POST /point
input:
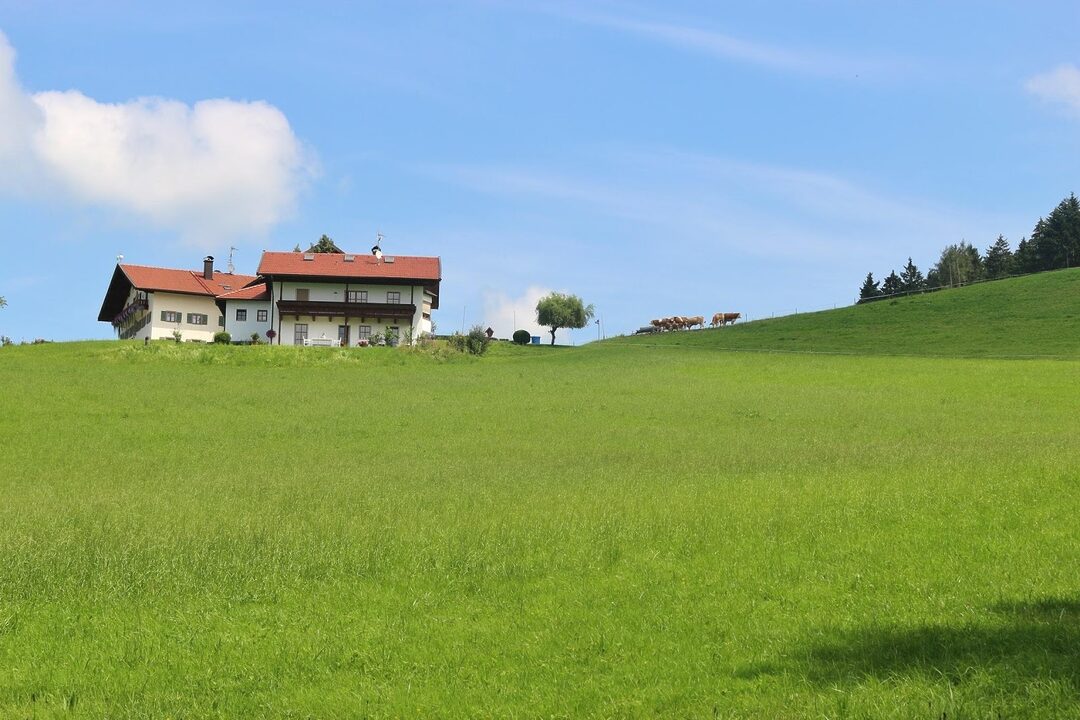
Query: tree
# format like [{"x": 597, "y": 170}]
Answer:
[
  {"x": 3, "y": 302},
  {"x": 559, "y": 310},
  {"x": 1056, "y": 240},
  {"x": 892, "y": 284},
  {"x": 869, "y": 290},
  {"x": 1024, "y": 260},
  {"x": 325, "y": 245},
  {"x": 912, "y": 280},
  {"x": 959, "y": 264},
  {"x": 999, "y": 258}
]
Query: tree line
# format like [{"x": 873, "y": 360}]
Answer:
[{"x": 1054, "y": 244}]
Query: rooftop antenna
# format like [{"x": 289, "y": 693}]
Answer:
[
  {"x": 119, "y": 259},
  {"x": 377, "y": 250},
  {"x": 232, "y": 268}
]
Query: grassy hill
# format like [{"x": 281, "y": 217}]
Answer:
[
  {"x": 205, "y": 531},
  {"x": 1037, "y": 315}
]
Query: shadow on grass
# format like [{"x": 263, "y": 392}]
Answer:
[{"x": 1017, "y": 644}]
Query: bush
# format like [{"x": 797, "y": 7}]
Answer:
[
  {"x": 475, "y": 343},
  {"x": 222, "y": 338},
  {"x": 255, "y": 339},
  {"x": 522, "y": 337},
  {"x": 177, "y": 335}
]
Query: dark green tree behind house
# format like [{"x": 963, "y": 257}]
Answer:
[{"x": 325, "y": 245}]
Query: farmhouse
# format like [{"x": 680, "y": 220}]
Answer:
[{"x": 296, "y": 298}]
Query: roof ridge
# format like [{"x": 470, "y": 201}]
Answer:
[{"x": 197, "y": 272}]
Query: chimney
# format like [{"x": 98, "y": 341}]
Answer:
[{"x": 208, "y": 267}]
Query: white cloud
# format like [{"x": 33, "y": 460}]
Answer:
[
  {"x": 505, "y": 314},
  {"x": 215, "y": 170},
  {"x": 1060, "y": 86}
]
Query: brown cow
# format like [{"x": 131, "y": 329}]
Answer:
[
  {"x": 731, "y": 318},
  {"x": 718, "y": 319},
  {"x": 695, "y": 321}
]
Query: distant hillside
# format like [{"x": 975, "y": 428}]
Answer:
[{"x": 1037, "y": 315}]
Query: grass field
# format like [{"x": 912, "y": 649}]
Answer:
[
  {"x": 1033, "y": 316},
  {"x": 614, "y": 530}
]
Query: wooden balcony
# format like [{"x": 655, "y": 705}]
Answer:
[{"x": 363, "y": 311}]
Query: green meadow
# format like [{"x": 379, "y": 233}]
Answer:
[
  {"x": 1032, "y": 316},
  {"x": 652, "y": 526}
]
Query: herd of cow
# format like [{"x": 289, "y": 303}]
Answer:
[{"x": 680, "y": 322}]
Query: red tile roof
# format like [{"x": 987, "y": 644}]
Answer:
[
  {"x": 403, "y": 267},
  {"x": 254, "y": 292},
  {"x": 184, "y": 281}
]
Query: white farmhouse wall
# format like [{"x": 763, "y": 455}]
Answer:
[
  {"x": 336, "y": 292},
  {"x": 184, "y": 304},
  {"x": 241, "y": 330},
  {"x": 322, "y": 327}
]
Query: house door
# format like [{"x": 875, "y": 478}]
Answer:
[{"x": 343, "y": 335}]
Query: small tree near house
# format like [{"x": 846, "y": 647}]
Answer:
[{"x": 562, "y": 310}]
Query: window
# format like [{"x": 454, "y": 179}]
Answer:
[
  {"x": 301, "y": 294},
  {"x": 241, "y": 316},
  {"x": 171, "y": 316},
  {"x": 197, "y": 319},
  {"x": 393, "y": 297},
  {"x": 365, "y": 332},
  {"x": 260, "y": 315},
  {"x": 358, "y": 296},
  {"x": 299, "y": 333},
  {"x": 221, "y": 320}
]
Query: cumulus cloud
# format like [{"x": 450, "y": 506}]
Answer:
[
  {"x": 213, "y": 170},
  {"x": 1060, "y": 86},
  {"x": 505, "y": 314}
]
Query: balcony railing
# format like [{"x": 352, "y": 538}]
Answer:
[
  {"x": 316, "y": 308},
  {"x": 132, "y": 330}
]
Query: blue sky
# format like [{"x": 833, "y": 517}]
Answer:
[{"x": 657, "y": 159}]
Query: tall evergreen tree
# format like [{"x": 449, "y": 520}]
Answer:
[
  {"x": 892, "y": 285},
  {"x": 869, "y": 290},
  {"x": 999, "y": 258},
  {"x": 1056, "y": 239},
  {"x": 911, "y": 279},
  {"x": 1024, "y": 259}
]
